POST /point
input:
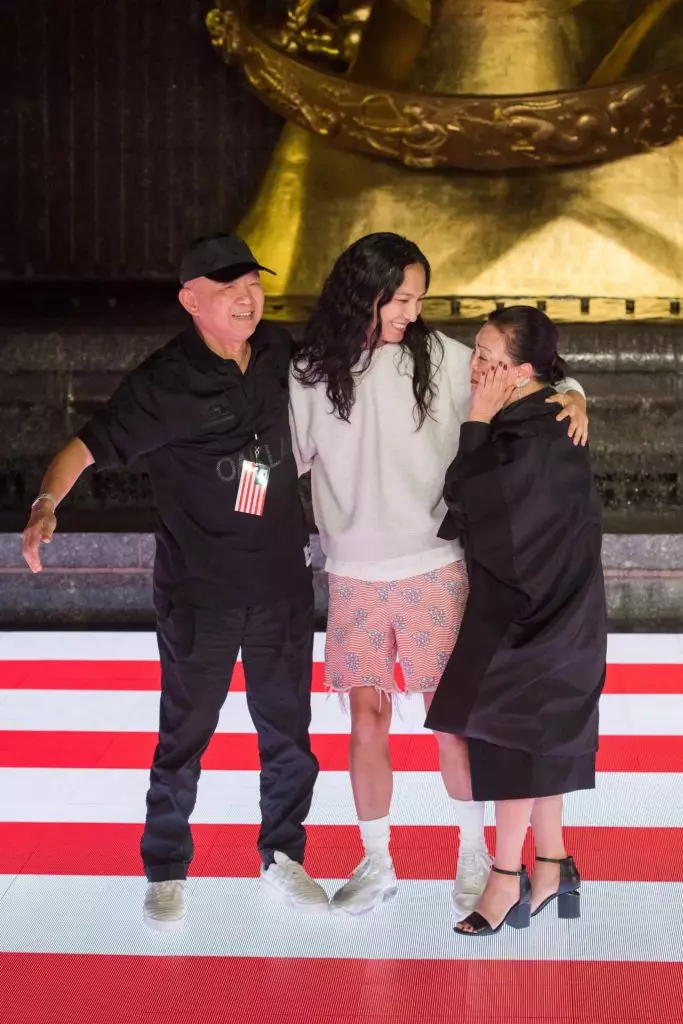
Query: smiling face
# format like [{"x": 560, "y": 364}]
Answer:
[
  {"x": 229, "y": 311},
  {"x": 405, "y": 306}
]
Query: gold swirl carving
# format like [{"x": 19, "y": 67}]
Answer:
[
  {"x": 308, "y": 33},
  {"x": 482, "y": 133},
  {"x": 223, "y": 26}
]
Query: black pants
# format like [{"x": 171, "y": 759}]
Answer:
[{"x": 198, "y": 651}]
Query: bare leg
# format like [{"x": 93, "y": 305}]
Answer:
[
  {"x": 546, "y": 824},
  {"x": 453, "y": 761},
  {"x": 474, "y": 862},
  {"x": 502, "y": 891},
  {"x": 369, "y": 763}
]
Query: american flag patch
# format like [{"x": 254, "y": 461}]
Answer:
[{"x": 251, "y": 493}]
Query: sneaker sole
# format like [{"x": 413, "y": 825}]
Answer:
[
  {"x": 314, "y": 909},
  {"x": 386, "y": 897},
  {"x": 157, "y": 925}
]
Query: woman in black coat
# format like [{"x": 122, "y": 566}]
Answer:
[{"x": 524, "y": 680}]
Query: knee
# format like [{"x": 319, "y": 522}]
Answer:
[
  {"x": 369, "y": 726},
  {"x": 451, "y": 746}
]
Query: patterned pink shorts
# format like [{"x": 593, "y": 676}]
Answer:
[{"x": 369, "y": 624}]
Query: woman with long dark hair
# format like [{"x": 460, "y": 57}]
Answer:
[
  {"x": 524, "y": 680},
  {"x": 377, "y": 400}
]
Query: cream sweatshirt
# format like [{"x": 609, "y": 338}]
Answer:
[{"x": 377, "y": 481}]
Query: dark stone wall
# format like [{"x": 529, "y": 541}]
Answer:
[
  {"x": 55, "y": 372},
  {"x": 121, "y": 135}
]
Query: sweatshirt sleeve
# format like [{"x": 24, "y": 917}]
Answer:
[
  {"x": 569, "y": 384},
  {"x": 300, "y": 421}
]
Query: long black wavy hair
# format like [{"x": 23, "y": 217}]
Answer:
[{"x": 335, "y": 347}]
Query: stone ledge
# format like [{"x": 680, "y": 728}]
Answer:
[
  {"x": 625, "y": 552},
  {"x": 135, "y": 550},
  {"x": 100, "y": 579}
]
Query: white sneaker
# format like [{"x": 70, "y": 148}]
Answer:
[
  {"x": 471, "y": 877},
  {"x": 165, "y": 905},
  {"x": 373, "y": 882},
  {"x": 287, "y": 880}
]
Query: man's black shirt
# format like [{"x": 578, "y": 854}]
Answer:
[{"x": 196, "y": 417}]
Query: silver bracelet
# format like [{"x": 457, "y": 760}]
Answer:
[{"x": 44, "y": 497}]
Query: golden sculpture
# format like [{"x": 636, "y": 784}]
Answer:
[{"x": 531, "y": 147}]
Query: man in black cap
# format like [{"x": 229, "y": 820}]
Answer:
[{"x": 233, "y": 567}]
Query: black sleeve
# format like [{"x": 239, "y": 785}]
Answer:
[
  {"x": 138, "y": 418},
  {"x": 473, "y": 435},
  {"x": 522, "y": 505}
]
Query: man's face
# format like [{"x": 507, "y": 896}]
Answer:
[{"x": 228, "y": 312}]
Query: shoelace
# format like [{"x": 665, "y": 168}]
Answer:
[
  {"x": 296, "y": 871},
  {"x": 166, "y": 891},
  {"x": 470, "y": 862},
  {"x": 366, "y": 866}
]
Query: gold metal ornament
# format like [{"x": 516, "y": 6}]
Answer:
[{"x": 529, "y": 146}]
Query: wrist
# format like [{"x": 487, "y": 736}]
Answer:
[
  {"x": 44, "y": 502},
  {"x": 578, "y": 397},
  {"x": 476, "y": 417}
]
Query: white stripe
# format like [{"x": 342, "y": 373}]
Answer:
[
  {"x": 621, "y": 799},
  {"x": 622, "y": 648},
  {"x": 94, "y": 914},
  {"x": 93, "y": 646},
  {"x": 621, "y": 714},
  {"x": 645, "y": 649}
]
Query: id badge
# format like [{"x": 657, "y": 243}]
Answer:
[{"x": 251, "y": 493}]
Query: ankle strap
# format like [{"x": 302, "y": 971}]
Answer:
[
  {"x": 515, "y": 874},
  {"x": 553, "y": 860}
]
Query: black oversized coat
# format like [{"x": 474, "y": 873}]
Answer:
[{"x": 529, "y": 664}]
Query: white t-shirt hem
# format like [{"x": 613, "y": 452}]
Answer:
[{"x": 402, "y": 568}]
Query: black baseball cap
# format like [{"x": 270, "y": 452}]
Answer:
[{"x": 218, "y": 257}]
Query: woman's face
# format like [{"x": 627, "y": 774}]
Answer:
[
  {"x": 489, "y": 350},
  {"x": 405, "y": 306}
]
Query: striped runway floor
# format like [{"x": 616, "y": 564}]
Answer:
[{"x": 78, "y": 715}]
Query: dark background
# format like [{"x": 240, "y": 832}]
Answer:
[{"x": 123, "y": 134}]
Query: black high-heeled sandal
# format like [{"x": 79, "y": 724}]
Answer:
[
  {"x": 568, "y": 895},
  {"x": 518, "y": 916}
]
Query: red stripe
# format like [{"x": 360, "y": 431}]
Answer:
[
  {"x": 253, "y": 495},
  {"x": 261, "y": 500},
  {"x": 49, "y": 988},
  {"x": 419, "y": 851},
  {"x": 244, "y": 481},
  {"x": 249, "y": 504},
  {"x": 260, "y": 496},
  {"x": 145, "y": 675},
  {"x": 239, "y": 751},
  {"x": 248, "y": 481}
]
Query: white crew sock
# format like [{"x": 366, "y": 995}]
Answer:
[
  {"x": 470, "y": 818},
  {"x": 375, "y": 836}
]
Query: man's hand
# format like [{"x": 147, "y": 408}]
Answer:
[
  {"x": 491, "y": 393},
  {"x": 39, "y": 531},
  {"x": 574, "y": 409},
  {"x": 61, "y": 475}
]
